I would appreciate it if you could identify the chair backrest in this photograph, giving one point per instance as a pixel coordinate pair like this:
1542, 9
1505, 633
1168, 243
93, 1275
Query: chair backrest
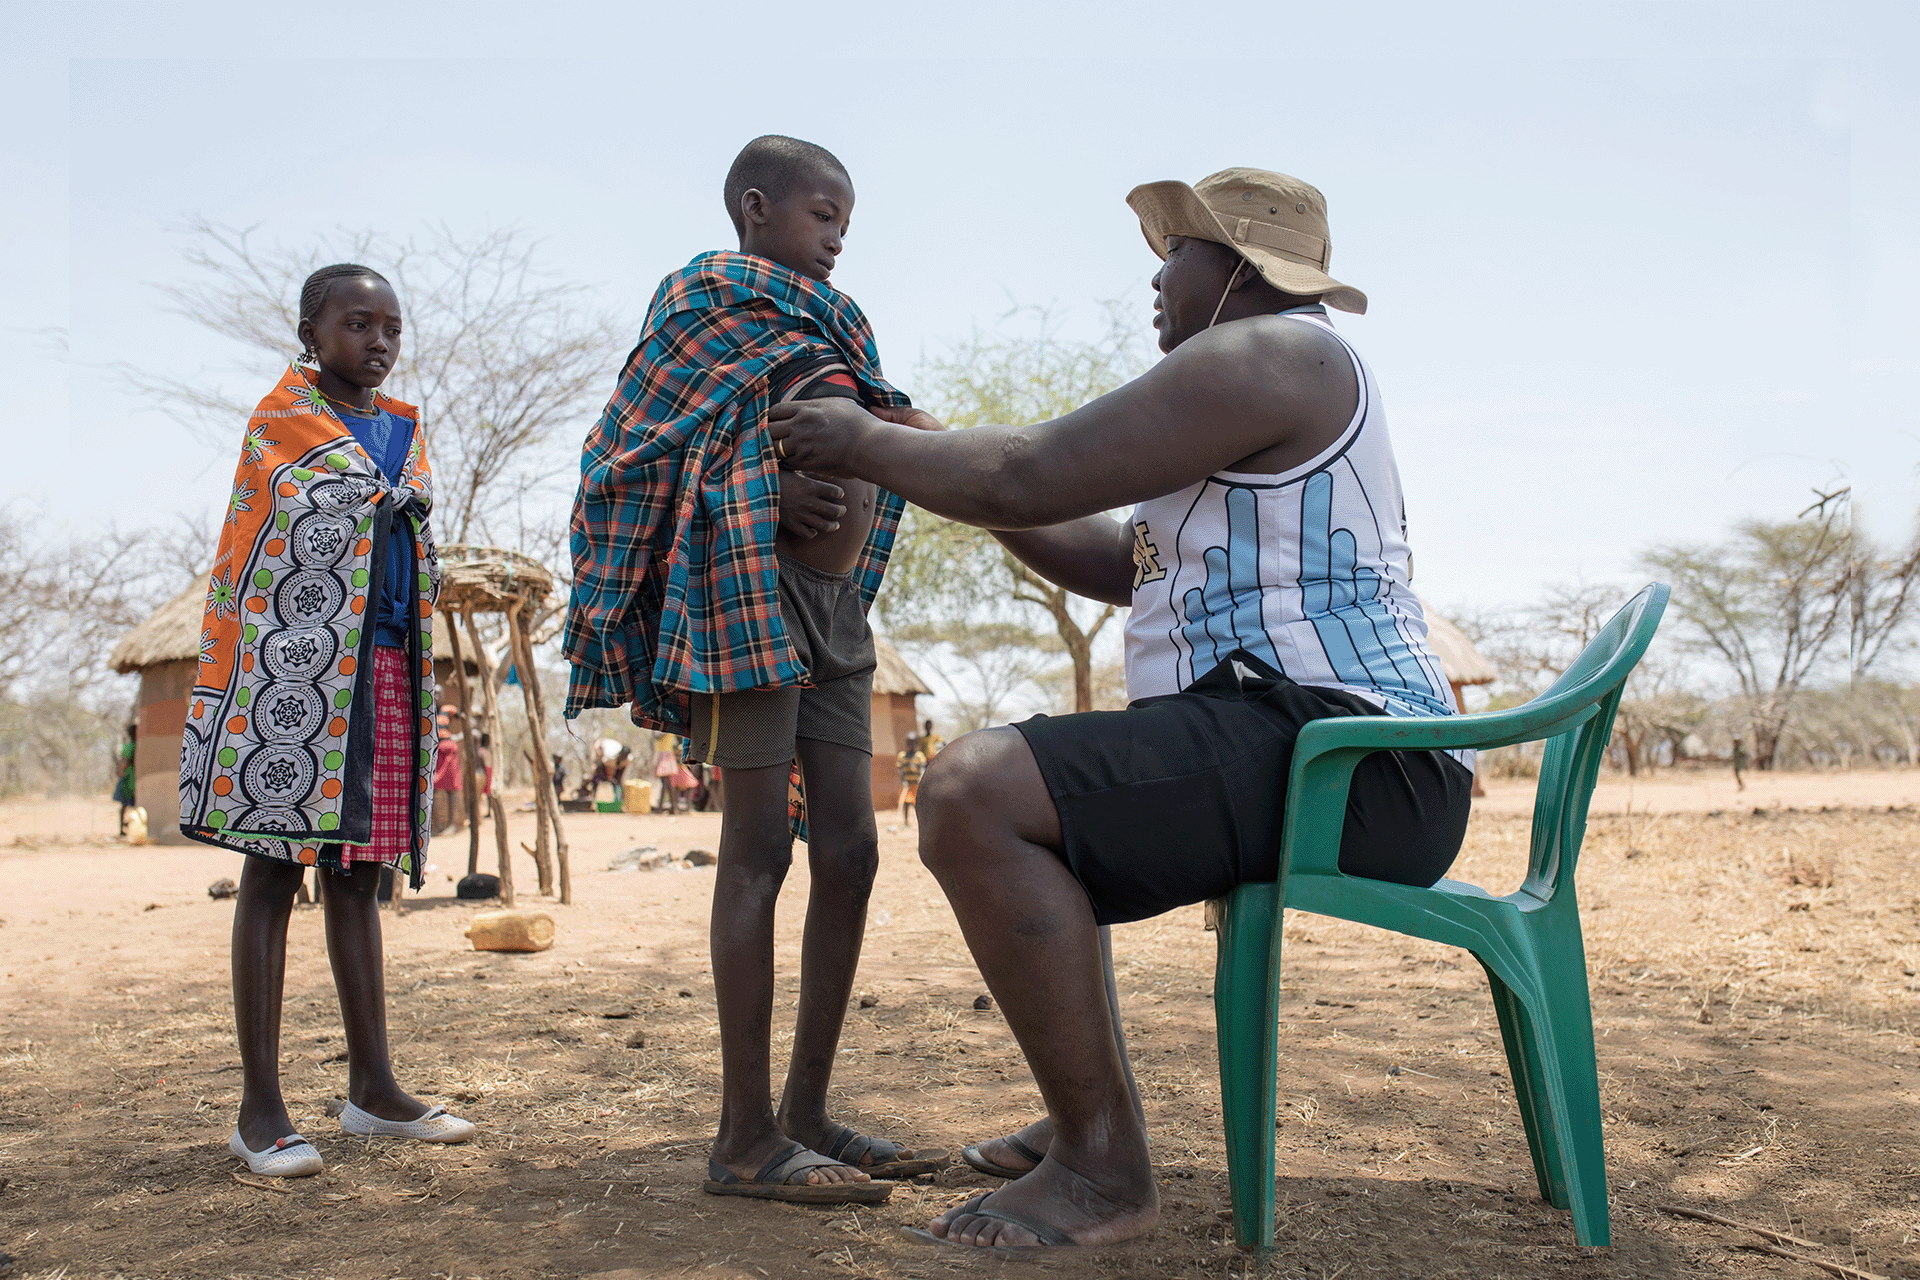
1570, 764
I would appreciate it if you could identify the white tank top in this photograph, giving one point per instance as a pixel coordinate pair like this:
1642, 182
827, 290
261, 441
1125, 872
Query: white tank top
1307, 569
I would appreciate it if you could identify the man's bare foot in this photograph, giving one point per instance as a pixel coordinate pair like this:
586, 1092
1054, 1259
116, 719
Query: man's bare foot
1076, 1209
747, 1161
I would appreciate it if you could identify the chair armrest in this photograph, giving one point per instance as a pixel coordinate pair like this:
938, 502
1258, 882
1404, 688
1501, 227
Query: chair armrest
1486, 729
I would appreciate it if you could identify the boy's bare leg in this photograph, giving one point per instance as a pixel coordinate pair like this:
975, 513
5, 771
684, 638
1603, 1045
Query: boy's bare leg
260, 912
1038, 1136
756, 849
359, 977
989, 832
843, 855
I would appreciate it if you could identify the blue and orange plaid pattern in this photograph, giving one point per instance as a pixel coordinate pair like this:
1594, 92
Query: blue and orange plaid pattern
675, 584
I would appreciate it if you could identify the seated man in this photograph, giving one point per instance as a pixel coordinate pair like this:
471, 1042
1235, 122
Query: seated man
1267, 567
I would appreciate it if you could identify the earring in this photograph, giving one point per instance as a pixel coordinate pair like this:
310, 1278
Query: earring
309, 356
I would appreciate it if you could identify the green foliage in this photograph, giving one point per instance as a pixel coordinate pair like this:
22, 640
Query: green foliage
952, 584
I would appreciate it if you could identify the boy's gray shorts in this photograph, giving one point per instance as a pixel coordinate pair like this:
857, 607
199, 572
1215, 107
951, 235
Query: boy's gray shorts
755, 728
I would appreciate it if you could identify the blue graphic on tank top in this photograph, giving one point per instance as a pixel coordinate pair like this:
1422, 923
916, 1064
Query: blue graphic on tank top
1224, 614
1344, 602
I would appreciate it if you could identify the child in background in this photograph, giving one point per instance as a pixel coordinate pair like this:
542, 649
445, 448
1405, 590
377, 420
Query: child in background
726, 599
912, 764
310, 732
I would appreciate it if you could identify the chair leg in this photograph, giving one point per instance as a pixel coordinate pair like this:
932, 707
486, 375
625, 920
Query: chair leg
1560, 1097
1246, 1004
1529, 1090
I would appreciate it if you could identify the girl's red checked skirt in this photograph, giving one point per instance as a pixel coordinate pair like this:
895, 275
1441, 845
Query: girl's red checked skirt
396, 739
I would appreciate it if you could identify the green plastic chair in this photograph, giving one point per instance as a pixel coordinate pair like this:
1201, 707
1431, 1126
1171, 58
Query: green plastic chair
1529, 941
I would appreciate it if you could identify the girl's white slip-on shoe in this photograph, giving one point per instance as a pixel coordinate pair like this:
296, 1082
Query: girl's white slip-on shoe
291, 1157
435, 1126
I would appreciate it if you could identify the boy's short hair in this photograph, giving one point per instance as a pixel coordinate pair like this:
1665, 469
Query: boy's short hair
775, 164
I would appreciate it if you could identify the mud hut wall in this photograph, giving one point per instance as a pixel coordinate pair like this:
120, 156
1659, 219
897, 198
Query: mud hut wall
162, 717
893, 719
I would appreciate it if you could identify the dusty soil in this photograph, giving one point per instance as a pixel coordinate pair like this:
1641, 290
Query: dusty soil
1753, 978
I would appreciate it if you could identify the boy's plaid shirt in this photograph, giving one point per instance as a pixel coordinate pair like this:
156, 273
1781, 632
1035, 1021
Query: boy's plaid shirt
675, 587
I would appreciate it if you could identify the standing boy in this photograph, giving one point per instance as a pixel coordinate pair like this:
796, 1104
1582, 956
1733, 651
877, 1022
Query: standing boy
912, 764
726, 599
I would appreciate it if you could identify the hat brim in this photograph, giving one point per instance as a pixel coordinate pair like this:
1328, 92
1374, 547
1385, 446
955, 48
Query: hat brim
1173, 208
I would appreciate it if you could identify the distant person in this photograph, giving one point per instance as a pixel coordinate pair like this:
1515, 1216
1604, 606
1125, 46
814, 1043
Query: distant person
449, 813
610, 760
123, 782
1739, 765
559, 776
911, 762
313, 706
1267, 566
724, 595
930, 742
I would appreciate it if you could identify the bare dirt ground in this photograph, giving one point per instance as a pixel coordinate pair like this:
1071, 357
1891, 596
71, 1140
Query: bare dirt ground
1753, 978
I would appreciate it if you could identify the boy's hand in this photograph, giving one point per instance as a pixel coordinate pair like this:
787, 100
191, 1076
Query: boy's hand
808, 507
819, 435
908, 416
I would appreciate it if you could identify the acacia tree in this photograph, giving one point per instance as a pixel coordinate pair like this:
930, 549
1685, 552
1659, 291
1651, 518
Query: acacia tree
498, 355
1772, 603
946, 577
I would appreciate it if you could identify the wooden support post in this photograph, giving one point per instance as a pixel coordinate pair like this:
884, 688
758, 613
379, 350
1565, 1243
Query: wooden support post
494, 803
470, 750
548, 802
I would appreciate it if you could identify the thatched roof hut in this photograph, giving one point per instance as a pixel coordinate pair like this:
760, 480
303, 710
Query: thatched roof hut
1458, 658
165, 651
170, 635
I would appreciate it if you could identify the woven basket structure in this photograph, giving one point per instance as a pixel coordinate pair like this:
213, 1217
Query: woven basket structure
490, 579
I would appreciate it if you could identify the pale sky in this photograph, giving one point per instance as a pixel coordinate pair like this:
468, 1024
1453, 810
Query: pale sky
1636, 271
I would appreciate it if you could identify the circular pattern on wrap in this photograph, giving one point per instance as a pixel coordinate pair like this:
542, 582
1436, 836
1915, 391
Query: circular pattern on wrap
299, 653
320, 539
307, 597
289, 713
267, 817
279, 776
339, 495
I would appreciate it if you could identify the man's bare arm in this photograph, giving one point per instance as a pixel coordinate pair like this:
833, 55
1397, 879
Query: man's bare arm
1220, 397
1091, 557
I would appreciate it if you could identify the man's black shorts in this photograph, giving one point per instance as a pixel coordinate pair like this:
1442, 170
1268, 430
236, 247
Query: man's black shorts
1181, 798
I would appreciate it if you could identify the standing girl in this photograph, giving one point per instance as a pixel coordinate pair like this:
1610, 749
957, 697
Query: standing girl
309, 738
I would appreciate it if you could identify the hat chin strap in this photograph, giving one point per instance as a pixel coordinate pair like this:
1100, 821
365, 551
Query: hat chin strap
1232, 279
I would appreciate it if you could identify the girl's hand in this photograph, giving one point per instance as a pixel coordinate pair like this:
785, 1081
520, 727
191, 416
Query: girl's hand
908, 416
808, 507
819, 435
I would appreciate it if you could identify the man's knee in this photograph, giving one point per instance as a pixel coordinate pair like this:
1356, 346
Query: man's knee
962, 789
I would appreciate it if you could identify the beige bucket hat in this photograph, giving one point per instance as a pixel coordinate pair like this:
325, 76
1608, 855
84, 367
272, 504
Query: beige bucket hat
1277, 223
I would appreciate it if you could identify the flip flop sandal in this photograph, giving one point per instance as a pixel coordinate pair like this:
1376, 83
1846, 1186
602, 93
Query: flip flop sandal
290, 1157
993, 1169
435, 1126
1051, 1237
901, 1166
771, 1183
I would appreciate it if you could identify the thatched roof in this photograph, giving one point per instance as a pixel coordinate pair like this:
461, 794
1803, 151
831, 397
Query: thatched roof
488, 579
1458, 658
172, 633
891, 674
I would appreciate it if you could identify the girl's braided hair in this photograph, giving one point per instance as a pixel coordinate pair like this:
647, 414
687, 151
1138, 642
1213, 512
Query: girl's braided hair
313, 294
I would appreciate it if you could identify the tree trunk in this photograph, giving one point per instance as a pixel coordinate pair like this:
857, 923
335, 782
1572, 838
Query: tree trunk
548, 803
469, 749
494, 803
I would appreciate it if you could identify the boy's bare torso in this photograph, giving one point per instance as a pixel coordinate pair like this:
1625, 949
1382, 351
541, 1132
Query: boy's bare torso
837, 550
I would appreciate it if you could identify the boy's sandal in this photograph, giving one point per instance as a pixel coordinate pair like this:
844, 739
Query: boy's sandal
889, 1158
289, 1157
435, 1126
774, 1181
